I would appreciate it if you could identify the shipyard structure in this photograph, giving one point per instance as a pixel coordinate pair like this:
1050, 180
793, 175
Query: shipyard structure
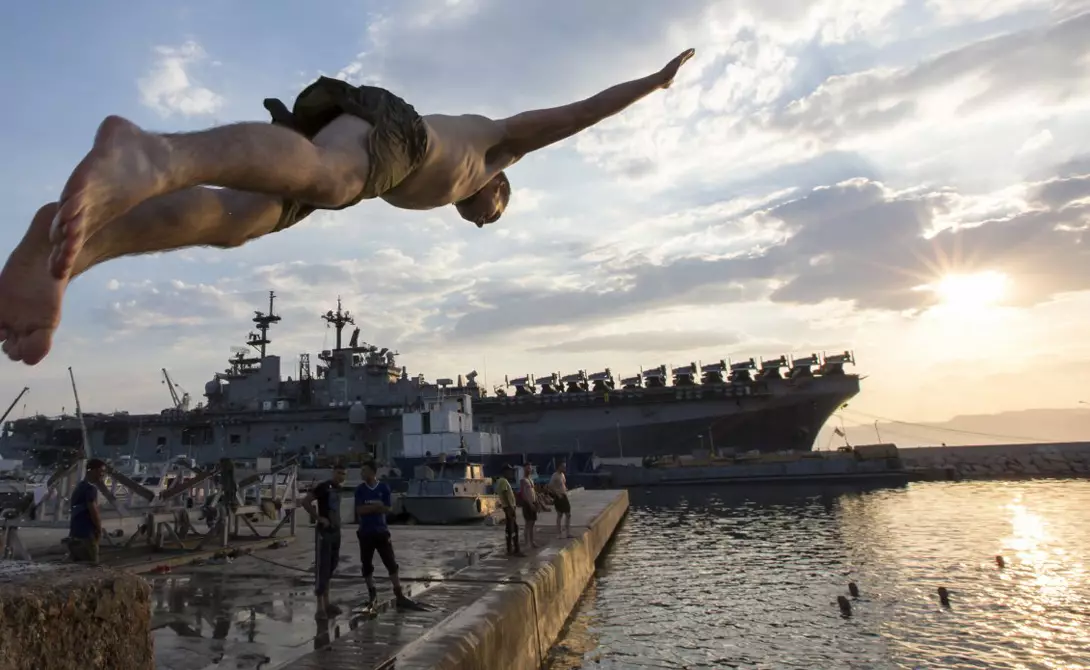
352, 398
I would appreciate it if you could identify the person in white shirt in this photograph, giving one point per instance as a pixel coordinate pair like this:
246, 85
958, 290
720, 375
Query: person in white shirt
528, 501
558, 486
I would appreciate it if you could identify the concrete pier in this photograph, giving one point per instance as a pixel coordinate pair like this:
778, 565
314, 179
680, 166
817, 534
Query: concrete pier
491, 611
998, 461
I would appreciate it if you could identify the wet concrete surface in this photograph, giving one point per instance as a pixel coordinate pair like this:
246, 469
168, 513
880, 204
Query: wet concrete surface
252, 613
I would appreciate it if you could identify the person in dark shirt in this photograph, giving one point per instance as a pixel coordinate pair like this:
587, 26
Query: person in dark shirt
327, 536
85, 524
373, 502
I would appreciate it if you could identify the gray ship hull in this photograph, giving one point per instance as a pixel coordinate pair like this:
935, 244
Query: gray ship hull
789, 420
354, 398
786, 417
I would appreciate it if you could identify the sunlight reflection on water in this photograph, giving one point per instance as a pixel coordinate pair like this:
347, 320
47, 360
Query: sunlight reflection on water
748, 578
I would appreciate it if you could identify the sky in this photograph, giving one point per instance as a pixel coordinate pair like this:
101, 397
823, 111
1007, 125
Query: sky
909, 181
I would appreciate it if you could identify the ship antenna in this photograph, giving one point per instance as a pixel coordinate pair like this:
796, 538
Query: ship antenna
339, 320
264, 321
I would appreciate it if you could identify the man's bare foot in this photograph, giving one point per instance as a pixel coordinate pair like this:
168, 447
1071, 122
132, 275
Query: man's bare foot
124, 167
30, 297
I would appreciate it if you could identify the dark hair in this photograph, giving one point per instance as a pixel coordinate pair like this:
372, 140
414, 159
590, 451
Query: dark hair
504, 186
340, 467
370, 464
96, 464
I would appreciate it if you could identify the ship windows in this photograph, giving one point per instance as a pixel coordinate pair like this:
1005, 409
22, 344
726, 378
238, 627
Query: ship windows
235, 438
115, 435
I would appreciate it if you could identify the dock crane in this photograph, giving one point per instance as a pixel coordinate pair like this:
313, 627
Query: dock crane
13, 404
180, 402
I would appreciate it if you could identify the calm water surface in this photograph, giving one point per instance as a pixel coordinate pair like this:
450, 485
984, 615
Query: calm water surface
748, 578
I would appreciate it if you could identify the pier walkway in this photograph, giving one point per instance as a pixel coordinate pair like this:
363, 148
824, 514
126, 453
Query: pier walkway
490, 610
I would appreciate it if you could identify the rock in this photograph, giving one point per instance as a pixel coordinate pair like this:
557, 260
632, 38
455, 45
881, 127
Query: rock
58, 617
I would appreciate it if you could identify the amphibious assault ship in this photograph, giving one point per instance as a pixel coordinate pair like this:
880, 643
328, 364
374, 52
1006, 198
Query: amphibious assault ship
354, 396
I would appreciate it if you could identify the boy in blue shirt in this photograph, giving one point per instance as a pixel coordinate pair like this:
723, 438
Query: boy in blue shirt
373, 501
85, 526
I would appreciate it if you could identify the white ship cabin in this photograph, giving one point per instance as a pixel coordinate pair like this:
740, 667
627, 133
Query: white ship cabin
445, 426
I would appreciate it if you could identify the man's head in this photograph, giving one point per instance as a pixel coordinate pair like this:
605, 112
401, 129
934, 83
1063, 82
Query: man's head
95, 469
368, 471
508, 471
527, 469
562, 466
340, 473
488, 204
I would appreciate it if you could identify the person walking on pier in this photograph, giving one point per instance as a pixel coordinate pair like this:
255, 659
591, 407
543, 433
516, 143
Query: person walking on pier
502, 487
558, 486
373, 503
327, 536
528, 500
85, 525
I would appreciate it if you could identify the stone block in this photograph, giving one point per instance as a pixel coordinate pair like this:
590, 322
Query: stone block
59, 617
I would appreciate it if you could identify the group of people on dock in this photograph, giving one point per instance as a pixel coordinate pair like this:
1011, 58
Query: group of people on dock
531, 503
374, 500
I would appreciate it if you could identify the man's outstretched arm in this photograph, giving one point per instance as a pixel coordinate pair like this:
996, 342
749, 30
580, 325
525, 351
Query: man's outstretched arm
534, 130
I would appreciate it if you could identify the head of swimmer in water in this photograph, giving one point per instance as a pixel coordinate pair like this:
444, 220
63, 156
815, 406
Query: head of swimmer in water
488, 204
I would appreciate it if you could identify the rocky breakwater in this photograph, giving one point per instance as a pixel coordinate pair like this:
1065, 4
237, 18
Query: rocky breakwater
1005, 461
59, 617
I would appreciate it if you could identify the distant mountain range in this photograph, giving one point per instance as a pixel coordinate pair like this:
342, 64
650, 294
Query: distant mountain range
1031, 425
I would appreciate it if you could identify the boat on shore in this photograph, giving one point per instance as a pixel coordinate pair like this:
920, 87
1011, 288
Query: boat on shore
445, 492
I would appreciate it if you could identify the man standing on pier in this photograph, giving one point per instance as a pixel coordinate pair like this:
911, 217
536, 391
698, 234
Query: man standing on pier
528, 500
327, 536
502, 487
85, 526
558, 486
373, 503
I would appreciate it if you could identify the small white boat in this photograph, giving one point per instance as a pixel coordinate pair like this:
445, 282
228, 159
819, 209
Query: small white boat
447, 492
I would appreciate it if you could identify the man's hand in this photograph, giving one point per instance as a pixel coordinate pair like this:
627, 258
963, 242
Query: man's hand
668, 73
322, 521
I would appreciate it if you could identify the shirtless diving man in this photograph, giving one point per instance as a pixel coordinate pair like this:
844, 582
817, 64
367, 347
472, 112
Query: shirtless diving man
138, 192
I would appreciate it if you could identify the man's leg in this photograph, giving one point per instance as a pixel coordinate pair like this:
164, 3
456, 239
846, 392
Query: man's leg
30, 298
507, 514
321, 574
385, 548
367, 561
127, 166
334, 560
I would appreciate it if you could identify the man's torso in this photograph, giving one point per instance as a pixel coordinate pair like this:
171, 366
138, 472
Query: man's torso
503, 490
328, 496
81, 525
372, 523
526, 488
559, 483
462, 157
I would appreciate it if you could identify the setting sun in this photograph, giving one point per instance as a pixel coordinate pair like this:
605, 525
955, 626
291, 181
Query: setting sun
972, 290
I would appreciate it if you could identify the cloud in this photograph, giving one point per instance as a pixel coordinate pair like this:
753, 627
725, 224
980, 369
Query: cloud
661, 341
856, 241
169, 89
989, 77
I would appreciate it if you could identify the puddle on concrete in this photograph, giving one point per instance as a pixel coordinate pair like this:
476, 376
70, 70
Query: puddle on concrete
215, 621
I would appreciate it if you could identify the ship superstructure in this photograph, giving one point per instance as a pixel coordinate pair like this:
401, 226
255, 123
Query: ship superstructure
354, 397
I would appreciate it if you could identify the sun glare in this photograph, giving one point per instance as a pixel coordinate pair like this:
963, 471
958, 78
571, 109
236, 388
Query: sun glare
973, 290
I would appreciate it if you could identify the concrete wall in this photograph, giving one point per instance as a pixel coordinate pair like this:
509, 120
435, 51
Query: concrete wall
56, 617
514, 625
1061, 459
